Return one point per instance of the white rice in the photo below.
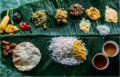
(103, 30)
(62, 50)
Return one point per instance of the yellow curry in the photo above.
(78, 50)
(93, 13)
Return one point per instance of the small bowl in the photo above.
(114, 43)
(105, 65)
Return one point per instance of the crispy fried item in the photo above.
(26, 56)
(10, 29)
(93, 13)
(5, 42)
(5, 53)
(7, 47)
(11, 50)
(13, 45)
(3, 47)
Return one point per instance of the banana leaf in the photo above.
(72, 27)
(48, 67)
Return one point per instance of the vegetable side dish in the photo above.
(85, 25)
(40, 18)
(93, 13)
(61, 16)
(76, 10)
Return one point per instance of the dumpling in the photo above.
(26, 56)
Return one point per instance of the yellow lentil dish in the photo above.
(93, 13)
(78, 50)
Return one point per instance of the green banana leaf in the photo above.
(40, 38)
(72, 27)
(48, 67)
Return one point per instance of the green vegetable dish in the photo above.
(51, 39)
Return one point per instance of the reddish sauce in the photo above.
(100, 61)
(24, 26)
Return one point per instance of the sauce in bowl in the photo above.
(100, 61)
(110, 49)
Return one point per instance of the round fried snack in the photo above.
(76, 10)
(26, 56)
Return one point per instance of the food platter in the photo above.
(41, 38)
(48, 67)
(71, 28)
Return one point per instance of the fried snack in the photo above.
(11, 50)
(10, 29)
(26, 56)
(7, 47)
(5, 52)
(3, 47)
(93, 13)
(5, 42)
(13, 45)
(76, 10)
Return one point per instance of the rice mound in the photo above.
(62, 50)
(103, 30)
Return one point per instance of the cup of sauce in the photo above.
(100, 61)
(110, 48)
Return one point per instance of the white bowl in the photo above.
(106, 64)
(116, 45)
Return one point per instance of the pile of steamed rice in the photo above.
(62, 51)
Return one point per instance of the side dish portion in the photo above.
(85, 25)
(111, 15)
(103, 30)
(93, 13)
(26, 56)
(39, 18)
(76, 10)
(61, 16)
